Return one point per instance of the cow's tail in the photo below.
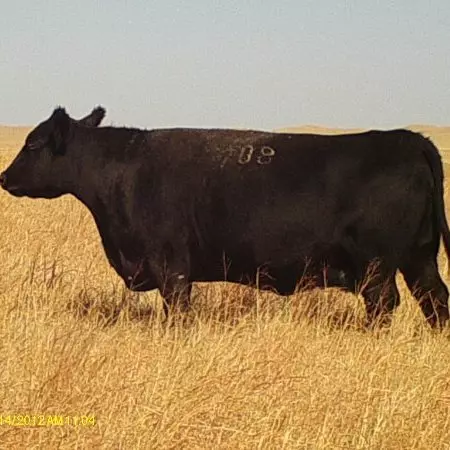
(434, 160)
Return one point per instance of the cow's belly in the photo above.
(283, 276)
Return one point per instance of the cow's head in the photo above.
(39, 168)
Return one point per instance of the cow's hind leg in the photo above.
(422, 277)
(381, 297)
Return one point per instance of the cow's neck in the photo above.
(100, 181)
(98, 162)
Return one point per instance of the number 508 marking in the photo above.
(263, 155)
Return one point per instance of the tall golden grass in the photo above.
(251, 370)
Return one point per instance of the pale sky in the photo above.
(250, 64)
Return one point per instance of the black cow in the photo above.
(174, 206)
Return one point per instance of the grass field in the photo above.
(251, 370)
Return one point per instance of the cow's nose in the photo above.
(3, 180)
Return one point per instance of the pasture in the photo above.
(251, 370)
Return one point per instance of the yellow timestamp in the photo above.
(47, 420)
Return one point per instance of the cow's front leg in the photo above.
(176, 293)
(173, 280)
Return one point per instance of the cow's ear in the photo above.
(60, 130)
(94, 118)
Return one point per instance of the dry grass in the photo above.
(251, 370)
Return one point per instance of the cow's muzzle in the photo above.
(3, 180)
(6, 185)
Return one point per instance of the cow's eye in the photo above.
(35, 145)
